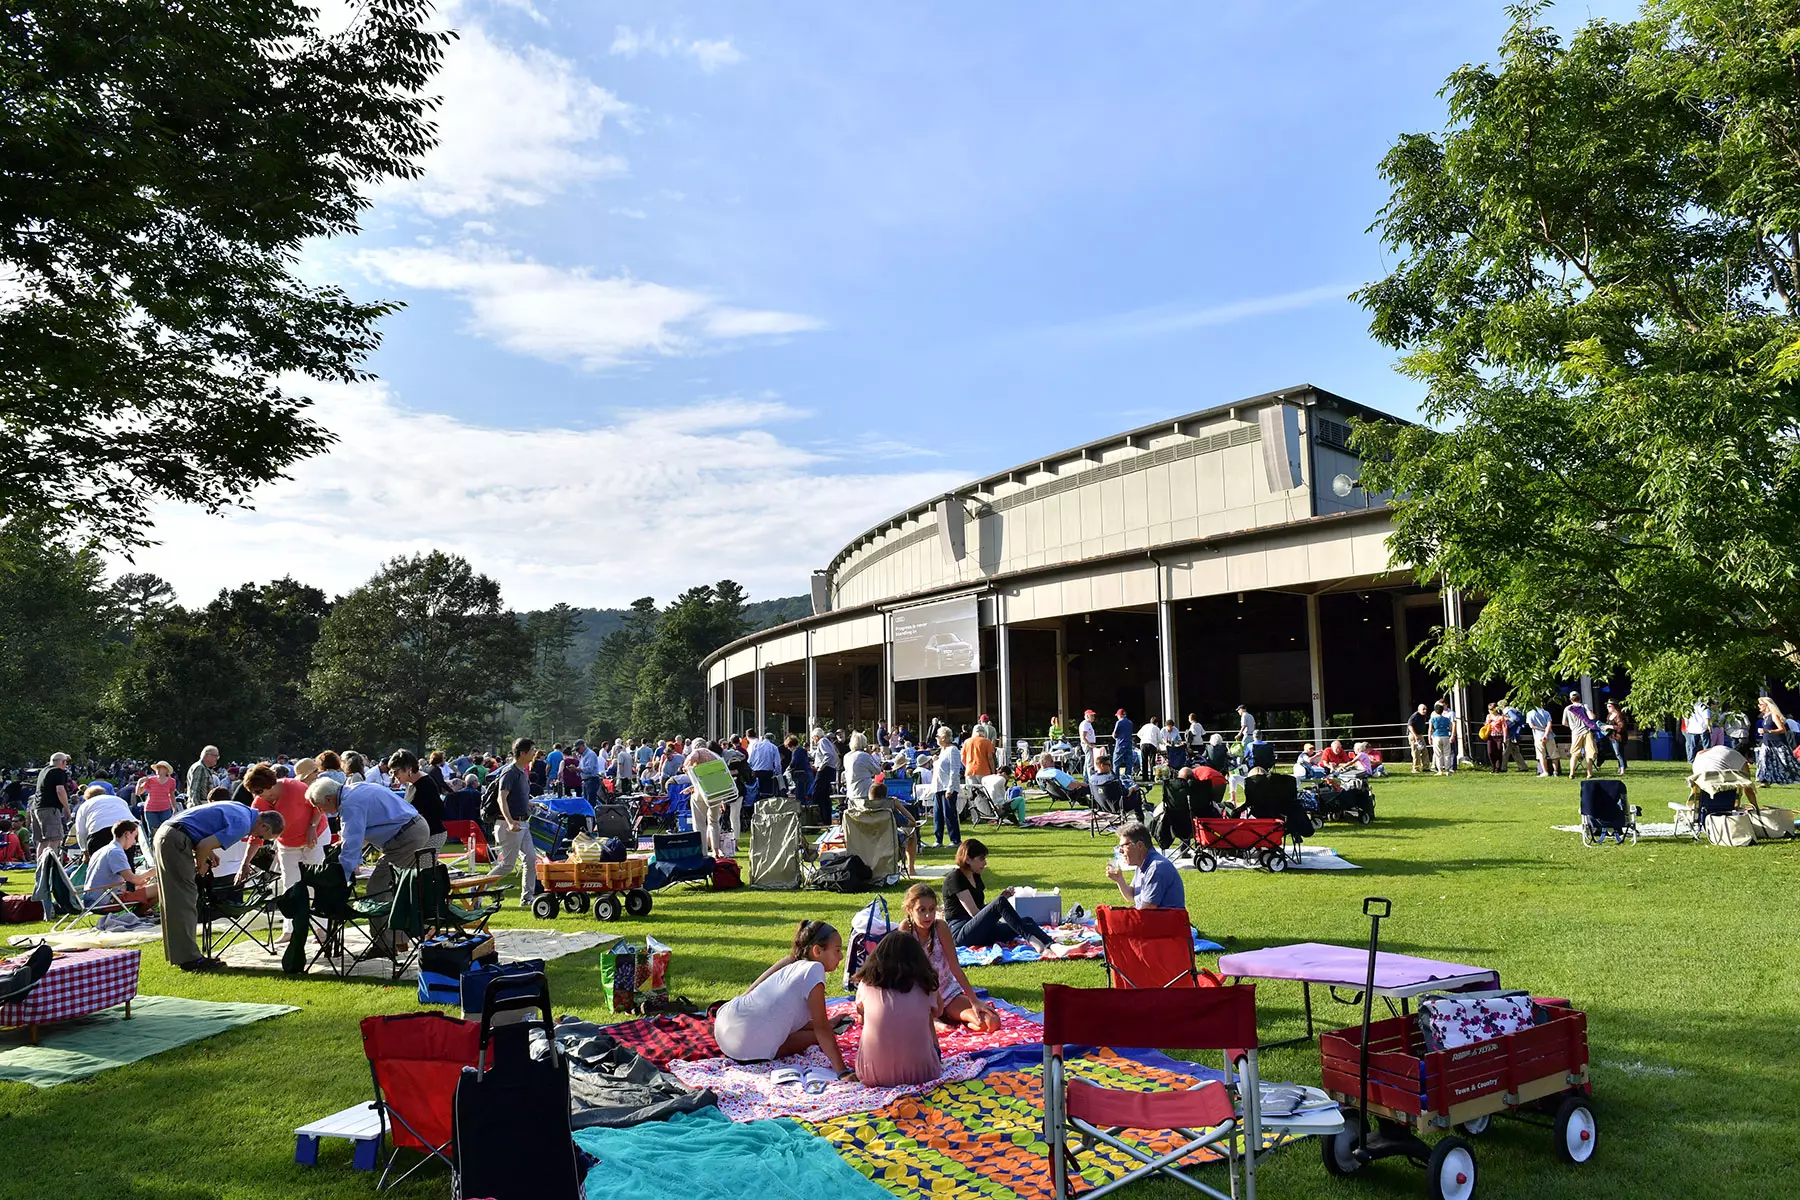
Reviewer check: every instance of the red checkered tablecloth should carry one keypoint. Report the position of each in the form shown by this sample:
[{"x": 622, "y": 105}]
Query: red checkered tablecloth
[{"x": 78, "y": 983}]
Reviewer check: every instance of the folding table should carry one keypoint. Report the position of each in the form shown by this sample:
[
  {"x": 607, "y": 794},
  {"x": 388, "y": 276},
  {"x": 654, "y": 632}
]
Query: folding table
[
  {"x": 78, "y": 982},
  {"x": 1397, "y": 976}
]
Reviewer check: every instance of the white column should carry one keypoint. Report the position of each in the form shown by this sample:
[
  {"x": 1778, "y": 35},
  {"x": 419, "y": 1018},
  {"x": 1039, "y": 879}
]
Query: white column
[
  {"x": 919, "y": 733},
  {"x": 712, "y": 712},
  {"x": 1165, "y": 649},
  {"x": 812, "y": 688},
  {"x": 890, "y": 713},
  {"x": 1459, "y": 692},
  {"x": 1587, "y": 692},
  {"x": 762, "y": 708},
  {"x": 730, "y": 709},
  {"x": 1315, "y": 659},
  {"x": 1003, "y": 639},
  {"x": 1062, "y": 673}
]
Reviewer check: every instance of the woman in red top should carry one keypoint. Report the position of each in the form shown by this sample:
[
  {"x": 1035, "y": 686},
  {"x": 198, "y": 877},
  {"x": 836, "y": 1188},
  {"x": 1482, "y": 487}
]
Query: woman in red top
[
  {"x": 158, "y": 791},
  {"x": 304, "y": 828}
]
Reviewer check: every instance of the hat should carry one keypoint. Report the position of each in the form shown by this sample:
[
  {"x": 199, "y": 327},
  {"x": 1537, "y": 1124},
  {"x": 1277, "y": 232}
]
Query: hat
[
  {"x": 1120, "y": 713},
  {"x": 1087, "y": 712},
  {"x": 984, "y": 716}
]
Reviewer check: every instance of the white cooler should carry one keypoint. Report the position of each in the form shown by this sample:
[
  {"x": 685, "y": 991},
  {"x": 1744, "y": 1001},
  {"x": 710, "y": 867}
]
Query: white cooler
[{"x": 1043, "y": 907}]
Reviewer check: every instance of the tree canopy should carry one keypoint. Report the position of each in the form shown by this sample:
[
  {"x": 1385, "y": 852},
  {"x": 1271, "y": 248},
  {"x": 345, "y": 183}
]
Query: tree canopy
[
  {"x": 161, "y": 166},
  {"x": 1598, "y": 280}
]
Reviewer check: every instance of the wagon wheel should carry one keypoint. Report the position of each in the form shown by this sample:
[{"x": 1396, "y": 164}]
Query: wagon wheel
[
  {"x": 1275, "y": 861},
  {"x": 1450, "y": 1174},
  {"x": 1364, "y": 815},
  {"x": 1205, "y": 862},
  {"x": 575, "y": 902},
  {"x": 637, "y": 902},
  {"x": 1577, "y": 1134},
  {"x": 1476, "y": 1126},
  {"x": 544, "y": 907},
  {"x": 606, "y": 907},
  {"x": 1339, "y": 1149}
]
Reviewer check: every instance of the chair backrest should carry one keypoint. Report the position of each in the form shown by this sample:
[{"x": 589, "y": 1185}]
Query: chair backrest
[
  {"x": 416, "y": 1059},
  {"x": 1147, "y": 947},
  {"x": 1271, "y": 796},
  {"x": 1055, "y": 791},
  {"x": 1603, "y": 798},
  {"x": 675, "y": 847},
  {"x": 1221, "y": 1018}
]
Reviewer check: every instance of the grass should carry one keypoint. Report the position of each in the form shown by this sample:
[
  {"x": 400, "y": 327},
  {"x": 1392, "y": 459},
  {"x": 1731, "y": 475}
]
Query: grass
[{"x": 1678, "y": 953}]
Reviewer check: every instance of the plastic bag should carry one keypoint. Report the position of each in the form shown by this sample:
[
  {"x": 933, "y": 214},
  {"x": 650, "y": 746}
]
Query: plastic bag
[{"x": 618, "y": 975}]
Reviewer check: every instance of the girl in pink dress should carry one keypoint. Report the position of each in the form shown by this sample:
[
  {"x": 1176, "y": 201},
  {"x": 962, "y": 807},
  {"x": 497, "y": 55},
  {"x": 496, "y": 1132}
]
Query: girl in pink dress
[{"x": 897, "y": 995}]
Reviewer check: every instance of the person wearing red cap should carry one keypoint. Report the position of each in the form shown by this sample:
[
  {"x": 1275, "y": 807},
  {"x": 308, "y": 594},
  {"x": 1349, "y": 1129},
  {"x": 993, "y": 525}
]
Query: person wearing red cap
[{"x": 984, "y": 727}]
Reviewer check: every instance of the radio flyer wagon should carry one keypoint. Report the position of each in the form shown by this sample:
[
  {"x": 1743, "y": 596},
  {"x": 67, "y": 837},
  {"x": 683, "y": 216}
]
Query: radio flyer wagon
[
  {"x": 1258, "y": 840},
  {"x": 1383, "y": 1070},
  {"x": 610, "y": 887}
]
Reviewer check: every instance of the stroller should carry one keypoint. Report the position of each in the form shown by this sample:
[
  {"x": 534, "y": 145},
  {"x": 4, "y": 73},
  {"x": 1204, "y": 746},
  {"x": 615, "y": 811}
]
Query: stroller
[
  {"x": 990, "y": 804},
  {"x": 1605, "y": 812},
  {"x": 510, "y": 1132}
]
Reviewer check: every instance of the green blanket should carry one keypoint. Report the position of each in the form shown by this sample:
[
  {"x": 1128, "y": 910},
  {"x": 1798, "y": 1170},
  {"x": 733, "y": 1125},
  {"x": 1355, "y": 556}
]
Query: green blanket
[
  {"x": 705, "y": 1156},
  {"x": 73, "y": 1050}
]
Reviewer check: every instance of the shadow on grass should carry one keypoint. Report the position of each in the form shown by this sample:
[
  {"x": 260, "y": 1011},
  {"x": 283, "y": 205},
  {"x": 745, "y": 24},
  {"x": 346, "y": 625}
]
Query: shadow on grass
[{"x": 1400, "y": 866}]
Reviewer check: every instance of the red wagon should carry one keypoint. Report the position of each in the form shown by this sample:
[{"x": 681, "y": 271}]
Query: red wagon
[
  {"x": 1540, "y": 1072},
  {"x": 1259, "y": 840}
]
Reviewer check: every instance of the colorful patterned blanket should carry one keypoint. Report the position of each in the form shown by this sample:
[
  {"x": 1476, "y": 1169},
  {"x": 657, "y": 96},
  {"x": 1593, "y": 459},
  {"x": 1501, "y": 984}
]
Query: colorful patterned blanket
[
  {"x": 984, "y": 1138},
  {"x": 748, "y": 1091}
]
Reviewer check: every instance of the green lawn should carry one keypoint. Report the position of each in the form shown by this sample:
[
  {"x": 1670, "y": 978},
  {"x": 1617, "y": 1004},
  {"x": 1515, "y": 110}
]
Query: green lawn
[{"x": 1676, "y": 951}]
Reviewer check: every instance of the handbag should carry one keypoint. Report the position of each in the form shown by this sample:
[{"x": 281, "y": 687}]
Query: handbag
[
  {"x": 867, "y": 927},
  {"x": 1731, "y": 829},
  {"x": 1772, "y": 824}
]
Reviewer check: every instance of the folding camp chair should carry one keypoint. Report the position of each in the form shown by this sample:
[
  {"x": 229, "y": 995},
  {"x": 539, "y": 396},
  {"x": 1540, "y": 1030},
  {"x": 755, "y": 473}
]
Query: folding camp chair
[
  {"x": 441, "y": 911},
  {"x": 345, "y": 914},
  {"x": 473, "y": 840},
  {"x": 510, "y": 1127},
  {"x": 246, "y": 910},
  {"x": 1206, "y": 1116},
  {"x": 89, "y": 904},
  {"x": 415, "y": 1060},
  {"x": 1150, "y": 948}
]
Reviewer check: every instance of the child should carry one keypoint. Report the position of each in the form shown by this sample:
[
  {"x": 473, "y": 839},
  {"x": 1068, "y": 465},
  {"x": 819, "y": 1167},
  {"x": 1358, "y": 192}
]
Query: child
[
  {"x": 783, "y": 1012},
  {"x": 897, "y": 995}
]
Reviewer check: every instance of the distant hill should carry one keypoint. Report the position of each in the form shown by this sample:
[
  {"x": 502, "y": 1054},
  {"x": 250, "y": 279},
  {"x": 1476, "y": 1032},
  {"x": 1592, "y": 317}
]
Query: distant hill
[{"x": 598, "y": 622}]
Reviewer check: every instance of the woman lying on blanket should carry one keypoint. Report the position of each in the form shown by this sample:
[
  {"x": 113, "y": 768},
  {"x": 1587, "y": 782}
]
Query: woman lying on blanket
[
  {"x": 783, "y": 1012},
  {"x": 958, "y": 1004},
  {"x": 897, "y": 997}
]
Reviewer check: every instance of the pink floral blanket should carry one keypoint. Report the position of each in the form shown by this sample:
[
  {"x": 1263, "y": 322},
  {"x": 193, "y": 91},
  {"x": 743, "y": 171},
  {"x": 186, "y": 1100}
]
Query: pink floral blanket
[{"x": 747, "y": 1091}]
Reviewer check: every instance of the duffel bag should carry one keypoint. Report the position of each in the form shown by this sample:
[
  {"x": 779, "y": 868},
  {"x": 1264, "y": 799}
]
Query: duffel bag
[
  {"x": 1772, "y": 824},
  {"x": 20, "y": 910},
  {"x": 478, "y": 979},
  {"x": 726, "y": 875}
]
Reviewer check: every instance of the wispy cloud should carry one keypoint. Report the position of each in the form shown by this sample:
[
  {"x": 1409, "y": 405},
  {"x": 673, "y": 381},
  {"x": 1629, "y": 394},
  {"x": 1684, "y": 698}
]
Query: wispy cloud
[
  {"x": 534, "y": 529},
  {"x": 565, "y": 314},
  {"x": 709, "y": 53},
  {"x": 1162, "y": 320},
  {"x": 635, "y": 214}
]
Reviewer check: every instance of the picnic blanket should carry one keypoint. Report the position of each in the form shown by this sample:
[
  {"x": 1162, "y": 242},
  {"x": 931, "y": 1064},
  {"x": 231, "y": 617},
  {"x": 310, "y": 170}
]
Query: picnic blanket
[
  {"x": 705, "y": 1156},
  {"x": 77, "y": 1049},
  {"x": 88, "y": 939},
  {"x": 746, "y": 1091},
  {"x": 1075, "y": 939},
  {"x": 984, "y": 1137},
  {"x": 663, "y": 1039},
  {"x": 1060, "y": 818},
  {"x": 1016, "y": 1029},
  {"x": 1646, "y": 830}
]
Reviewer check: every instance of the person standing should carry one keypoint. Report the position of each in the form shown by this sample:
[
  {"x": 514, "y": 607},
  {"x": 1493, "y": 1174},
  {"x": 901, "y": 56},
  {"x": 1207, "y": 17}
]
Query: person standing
[
  {"x": 826, "y": 762},
  {"x": 1516, "y": 731},
  {"x": 1583, "y": 730},
  {"x": 1443, "y": 741},
  {"x": 304, "y": 828},
  {"x": 1418, "y": 739},
  {"x": 158, "y": 791},
  {"x": 1543, "y": 738},
  {"x": 1124, "y": 748},
  {"x": 1246, "y": 727},
  {"x": 186, "y": 850},
  {"x": 1618, "y": 729},
  {"x": 203, "y": 776},
  {"x": 765, "y": 766},
  {"x": 1196, "y": 736},
  {"x": 424, "y": 792},
  {"x": 1775, "y": 762},
  {"x": 591, "y": 769},
  {"x": 860, "y": 769},
  {"x": 512, "y": 829},
  {"x": 54, "y": 805},
  {"x": 369, "y": 813},
  {"x": 553, "y": 767},
  {"x": 946, "y": 784},
  {"x": 978, "y": 756},
  {"x": 1090, "y": 740},
  {"x": 1150, "y": 744},
  {"x": 1493, "y": 728},
  {"x": 1698, "y": 728}
]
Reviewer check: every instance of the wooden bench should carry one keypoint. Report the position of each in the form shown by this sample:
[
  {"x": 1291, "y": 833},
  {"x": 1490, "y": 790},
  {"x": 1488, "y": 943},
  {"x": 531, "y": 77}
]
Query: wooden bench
[{"x": 360, "y": 1124}]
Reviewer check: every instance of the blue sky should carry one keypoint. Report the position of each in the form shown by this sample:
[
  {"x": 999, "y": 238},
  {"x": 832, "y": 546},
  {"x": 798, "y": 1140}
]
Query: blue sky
[{"x": 698, "y": 290}]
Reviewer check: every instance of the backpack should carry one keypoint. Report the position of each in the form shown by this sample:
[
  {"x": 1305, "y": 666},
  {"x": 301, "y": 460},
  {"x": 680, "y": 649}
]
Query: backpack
[
  {"x": 490, "y": 799},
  {"x": 841, "y": 873}
]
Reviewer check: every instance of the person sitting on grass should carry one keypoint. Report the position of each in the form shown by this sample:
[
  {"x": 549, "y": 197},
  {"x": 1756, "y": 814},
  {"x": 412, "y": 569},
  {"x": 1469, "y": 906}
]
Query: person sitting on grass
[
  {"x": 957, "y": 1002},
  {"x": 112, "y": 867},
  {"x": 974, "y": 920},
  {"x": 783, "y": 1012},
  {"x": 12, "y": 850},
  {"x": 1334, "y": 756},
  {"x": 1157, "y": 883},
  {"x": 897, "y": 998}
]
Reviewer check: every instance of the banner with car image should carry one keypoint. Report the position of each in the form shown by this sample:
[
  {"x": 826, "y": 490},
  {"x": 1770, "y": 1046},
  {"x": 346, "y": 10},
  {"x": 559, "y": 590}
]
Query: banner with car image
[{"x": 936, "y": 639}]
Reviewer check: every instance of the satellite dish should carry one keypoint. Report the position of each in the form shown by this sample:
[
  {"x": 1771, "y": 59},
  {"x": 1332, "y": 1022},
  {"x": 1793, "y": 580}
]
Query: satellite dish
[{"x": 1342, "y": 486}]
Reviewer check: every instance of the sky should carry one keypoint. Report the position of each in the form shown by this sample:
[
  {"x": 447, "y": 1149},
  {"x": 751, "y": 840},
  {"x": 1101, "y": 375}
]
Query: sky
[{"x": 703, "y": 290}]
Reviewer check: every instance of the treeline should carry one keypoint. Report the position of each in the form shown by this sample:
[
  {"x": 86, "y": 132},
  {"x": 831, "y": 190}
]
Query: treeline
[{"x": 422, "y": 654}]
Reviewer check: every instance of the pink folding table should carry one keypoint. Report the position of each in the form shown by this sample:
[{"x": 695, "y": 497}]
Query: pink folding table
[{"x": 1397, "y": 976}]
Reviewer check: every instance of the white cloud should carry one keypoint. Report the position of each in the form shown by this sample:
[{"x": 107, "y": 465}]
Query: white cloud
[
  {"x": 1167, "y": 319},
  {"x": 664, "y": 500},
  {"x": 636, "y": 214},
  {"x": 573, "y": 315},
  {"x": 526, "y": 7},
  {"x": 515, "y": 127},
  {"x": 709, "y": 53}
]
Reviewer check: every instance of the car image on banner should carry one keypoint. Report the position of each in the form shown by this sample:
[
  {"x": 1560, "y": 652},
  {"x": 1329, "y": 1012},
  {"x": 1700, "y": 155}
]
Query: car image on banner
[{"x": 936, "y": 639}]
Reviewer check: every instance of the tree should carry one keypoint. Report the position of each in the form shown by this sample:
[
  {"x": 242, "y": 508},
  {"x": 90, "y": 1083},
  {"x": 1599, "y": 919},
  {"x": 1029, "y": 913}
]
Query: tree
[
  {"x": 272, "y": 629},
  {"x": 613, "y": 673},
  {"x": 553, "y": 700},
  {"x": 181, "y": 688},
  {"x": 423, "y": 654},
  {"x": 55, "y": 658},
  {"x": 135, "y": 599},
  {"x": 671, "y": 692},
  {"x": 161, "y": 168},
  {"x": 1598, "y": 278}
]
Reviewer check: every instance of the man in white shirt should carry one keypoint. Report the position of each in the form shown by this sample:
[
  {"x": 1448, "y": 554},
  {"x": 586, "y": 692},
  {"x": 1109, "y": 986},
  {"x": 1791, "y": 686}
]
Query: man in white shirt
[
  {"x": 1151, "y": 740},
  {"x": 1543, "y": 737},
  {"x": 1196, "y": 734},
  {"x": 1698, "y": 728},
  {"x": 95, "y": 817},
  {"x": 1246, "y": 727},
  {"x": 1089, "y": 740}
]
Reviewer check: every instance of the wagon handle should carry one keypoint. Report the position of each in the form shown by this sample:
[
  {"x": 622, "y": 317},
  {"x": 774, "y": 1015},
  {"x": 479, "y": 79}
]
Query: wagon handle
[
  {"x": 1387, "y": 906},
  {"x": 1375, "y": 908}
]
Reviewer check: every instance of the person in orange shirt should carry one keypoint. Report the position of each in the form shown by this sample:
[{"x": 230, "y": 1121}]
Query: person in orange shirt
[
  {"x": 303, "y": 832},
  {"x": 978, "y": 756}
]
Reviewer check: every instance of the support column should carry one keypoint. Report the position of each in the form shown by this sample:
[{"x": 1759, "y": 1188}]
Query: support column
[
  {"x": 1587, "y": 692},
  {"x": 712, "y": 712},
  {"x": 920, "y": 732},
  {"x": 1315, "y": 659},
  {"x": 1459, "y": 692},
  {"x": 1062, "y": 674},
  {"x": 762, "y": 708},
  {"x": 1165, "y": 650},
  {"x": 1003, "y": 639},
  {"x": 812, "y": 690},
  {"x": 730, "y": 709},
  {"x": 890, "y": 705},
  {"x": 1402, "y": 674}
]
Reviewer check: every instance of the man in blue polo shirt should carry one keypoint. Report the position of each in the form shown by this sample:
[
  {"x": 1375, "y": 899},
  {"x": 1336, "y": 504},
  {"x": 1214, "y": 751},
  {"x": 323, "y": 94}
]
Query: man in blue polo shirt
[
  {"x": 1157, "y": 883},
  {"x": 368, "y": 812},
  {"x": 591, "y": 769},
  {"x": 186, "y": 849}
]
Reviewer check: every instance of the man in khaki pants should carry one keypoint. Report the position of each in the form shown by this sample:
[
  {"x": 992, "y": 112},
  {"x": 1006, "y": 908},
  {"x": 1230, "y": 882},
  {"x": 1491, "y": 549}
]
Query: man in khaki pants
[{"x": 186, "y": 850}]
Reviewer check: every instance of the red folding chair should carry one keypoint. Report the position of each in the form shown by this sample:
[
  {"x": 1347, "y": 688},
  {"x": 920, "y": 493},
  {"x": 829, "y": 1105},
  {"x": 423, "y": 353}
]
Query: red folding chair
[
  {"x": 1150, "y": 948},
  {"x": 1205, "y": 1115},
  {"x": 470, "y": 835},
  {"x": 416, "y": 1059}
]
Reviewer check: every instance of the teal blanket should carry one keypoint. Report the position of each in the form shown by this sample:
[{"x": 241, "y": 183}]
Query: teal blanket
[{"x": 705, "y": 1156}]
